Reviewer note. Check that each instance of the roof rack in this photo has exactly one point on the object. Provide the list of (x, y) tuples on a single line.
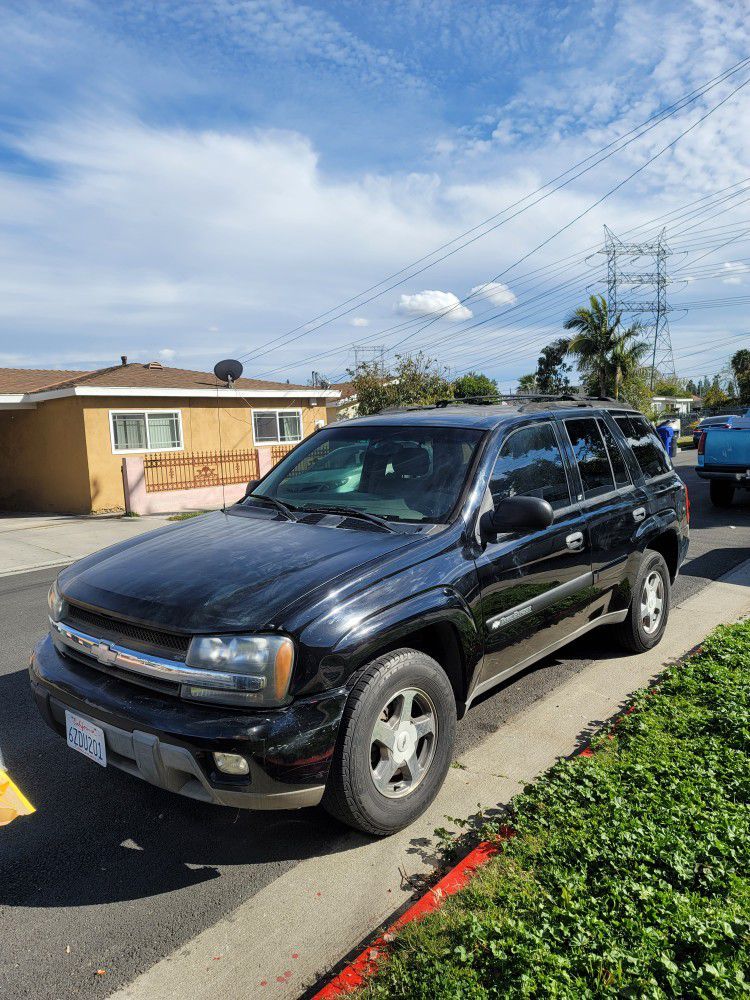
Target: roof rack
[(522, 400)]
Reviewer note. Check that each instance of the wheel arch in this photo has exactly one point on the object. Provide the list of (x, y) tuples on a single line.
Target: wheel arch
[(437, 623)]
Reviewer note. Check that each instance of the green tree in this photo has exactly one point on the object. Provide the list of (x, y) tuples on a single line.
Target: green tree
[(741, 368), (593, 340), (608, 355), (626, 358), (551, 369), (474, 384), (413, 380), (527, 383), (714, 398)]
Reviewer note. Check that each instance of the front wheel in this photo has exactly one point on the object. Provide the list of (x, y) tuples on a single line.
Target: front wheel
[(395, 743), (722, 492), (649, 606)]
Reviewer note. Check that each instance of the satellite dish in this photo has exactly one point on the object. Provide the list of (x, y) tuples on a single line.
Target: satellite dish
[(228, 371)]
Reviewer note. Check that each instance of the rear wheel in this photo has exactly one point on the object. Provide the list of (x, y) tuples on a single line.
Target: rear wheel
[(649, 606), (722, 492), (395, 743)]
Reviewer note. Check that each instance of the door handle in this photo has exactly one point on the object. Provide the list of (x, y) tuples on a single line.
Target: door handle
[(639, 513), (575, 541)]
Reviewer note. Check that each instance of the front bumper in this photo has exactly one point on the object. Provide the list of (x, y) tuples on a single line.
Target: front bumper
[(169, 742)]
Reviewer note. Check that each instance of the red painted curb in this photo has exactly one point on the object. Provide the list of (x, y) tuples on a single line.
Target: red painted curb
[(354, 975)]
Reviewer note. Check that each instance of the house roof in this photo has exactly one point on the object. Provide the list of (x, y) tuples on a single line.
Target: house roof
[(33, 379), (345, 388), (138, 379)]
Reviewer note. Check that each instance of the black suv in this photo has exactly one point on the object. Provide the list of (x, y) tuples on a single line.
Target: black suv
[(317, 641)]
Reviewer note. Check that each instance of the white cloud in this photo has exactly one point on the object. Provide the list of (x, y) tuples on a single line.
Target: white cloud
[(732, 279), (495, 292), (360, 321), (430, 302), (167, 354)]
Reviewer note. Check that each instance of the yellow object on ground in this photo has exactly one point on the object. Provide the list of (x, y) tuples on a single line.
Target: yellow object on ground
[(13, 802)]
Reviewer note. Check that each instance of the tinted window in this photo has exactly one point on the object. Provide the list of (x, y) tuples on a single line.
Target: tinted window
[(616, 458), (647, 448), (591, 455), (530, 465)]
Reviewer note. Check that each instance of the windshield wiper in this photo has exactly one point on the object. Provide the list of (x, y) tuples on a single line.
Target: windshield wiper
[(281, 507), (349, 512)]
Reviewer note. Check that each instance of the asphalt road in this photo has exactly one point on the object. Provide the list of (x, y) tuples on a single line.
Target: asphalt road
[(113, 874)]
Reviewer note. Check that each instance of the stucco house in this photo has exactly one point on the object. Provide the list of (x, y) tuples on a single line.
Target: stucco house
[(73, 441)]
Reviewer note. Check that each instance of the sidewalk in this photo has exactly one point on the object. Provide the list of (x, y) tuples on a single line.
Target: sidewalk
[(41, 541), (316, 912)]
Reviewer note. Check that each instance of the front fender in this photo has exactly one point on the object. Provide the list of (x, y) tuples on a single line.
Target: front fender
[(385, 628)]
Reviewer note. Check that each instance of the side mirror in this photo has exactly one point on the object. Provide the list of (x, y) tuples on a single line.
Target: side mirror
[(515, 513), (252, 483)]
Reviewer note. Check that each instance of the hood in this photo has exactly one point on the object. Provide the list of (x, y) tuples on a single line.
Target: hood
[(224, 572)]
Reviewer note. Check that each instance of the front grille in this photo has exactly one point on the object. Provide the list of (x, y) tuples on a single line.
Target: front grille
[(166, 644)]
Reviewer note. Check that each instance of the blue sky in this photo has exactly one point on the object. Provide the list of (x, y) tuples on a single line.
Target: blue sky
[(187, 180)]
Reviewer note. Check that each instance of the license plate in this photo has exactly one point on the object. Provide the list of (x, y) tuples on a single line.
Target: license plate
[(86, 738)]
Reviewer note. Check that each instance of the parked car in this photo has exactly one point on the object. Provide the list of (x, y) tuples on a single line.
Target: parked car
[(724, 458), (705, 423), (292, 650)]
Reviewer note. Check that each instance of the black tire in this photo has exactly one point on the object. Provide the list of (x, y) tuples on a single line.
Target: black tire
[(351, 794), (722, 492), (633, 633)]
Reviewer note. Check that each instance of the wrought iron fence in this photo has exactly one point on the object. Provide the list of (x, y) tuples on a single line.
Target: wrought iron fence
[(188, 470), (279, 450)]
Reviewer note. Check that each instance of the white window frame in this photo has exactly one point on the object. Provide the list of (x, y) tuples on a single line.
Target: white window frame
[(283, 409), (144, 414)]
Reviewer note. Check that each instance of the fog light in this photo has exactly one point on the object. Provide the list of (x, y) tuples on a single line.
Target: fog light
[(231, 763)]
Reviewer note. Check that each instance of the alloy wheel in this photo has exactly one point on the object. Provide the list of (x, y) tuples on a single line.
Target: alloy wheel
[(652, 602), (403, 741)]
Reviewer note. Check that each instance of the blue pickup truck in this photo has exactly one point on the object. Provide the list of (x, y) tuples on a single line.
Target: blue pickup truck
[(724, 458)]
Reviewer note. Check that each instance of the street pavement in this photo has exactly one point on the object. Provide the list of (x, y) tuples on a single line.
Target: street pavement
[(111, 874), (46, 541)]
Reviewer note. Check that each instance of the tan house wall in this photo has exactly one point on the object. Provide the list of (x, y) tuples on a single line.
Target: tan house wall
[(43, 461), (200, 431)]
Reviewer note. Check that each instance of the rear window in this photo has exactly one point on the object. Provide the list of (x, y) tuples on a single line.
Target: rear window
[(591, 455), (646, 445)]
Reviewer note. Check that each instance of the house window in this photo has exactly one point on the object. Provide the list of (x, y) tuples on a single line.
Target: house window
[(146, 430), (277, 426)]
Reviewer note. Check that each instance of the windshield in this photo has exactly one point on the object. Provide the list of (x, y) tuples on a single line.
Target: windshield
[(398, 473)]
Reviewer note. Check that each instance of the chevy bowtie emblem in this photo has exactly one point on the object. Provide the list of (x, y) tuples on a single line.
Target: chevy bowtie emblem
[(105, 654)]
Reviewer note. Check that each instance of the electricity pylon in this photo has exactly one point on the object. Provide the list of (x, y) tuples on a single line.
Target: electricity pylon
[(637, 289)]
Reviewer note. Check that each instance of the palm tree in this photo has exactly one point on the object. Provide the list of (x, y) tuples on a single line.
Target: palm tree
[(626, 357), (594, 339)]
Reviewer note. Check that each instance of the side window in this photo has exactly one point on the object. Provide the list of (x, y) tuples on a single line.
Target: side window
[(616, 457), (647, 448), (591, 456), (529, 464)]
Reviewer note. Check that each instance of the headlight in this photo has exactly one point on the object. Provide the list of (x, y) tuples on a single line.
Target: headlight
[(56, 603), (249, 669)]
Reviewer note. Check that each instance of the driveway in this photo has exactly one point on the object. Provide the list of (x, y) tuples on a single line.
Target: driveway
[(112, 874), (36, 541)]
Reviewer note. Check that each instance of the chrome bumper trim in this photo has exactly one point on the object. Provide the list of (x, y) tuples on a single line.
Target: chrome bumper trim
[(109, 654)]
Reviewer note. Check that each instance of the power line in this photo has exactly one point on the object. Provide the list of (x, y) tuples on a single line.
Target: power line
[(636, 133)]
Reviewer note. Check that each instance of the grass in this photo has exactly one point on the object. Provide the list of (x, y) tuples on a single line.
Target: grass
[(629, 875), (186, 515), (686, 441)]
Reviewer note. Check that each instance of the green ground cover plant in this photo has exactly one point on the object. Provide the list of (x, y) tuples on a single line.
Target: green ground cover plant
[(629, 875)]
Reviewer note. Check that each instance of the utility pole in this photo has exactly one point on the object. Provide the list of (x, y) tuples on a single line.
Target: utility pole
[(637, 289)]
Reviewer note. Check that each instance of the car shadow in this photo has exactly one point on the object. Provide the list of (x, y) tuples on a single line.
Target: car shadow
[(100, 835)]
